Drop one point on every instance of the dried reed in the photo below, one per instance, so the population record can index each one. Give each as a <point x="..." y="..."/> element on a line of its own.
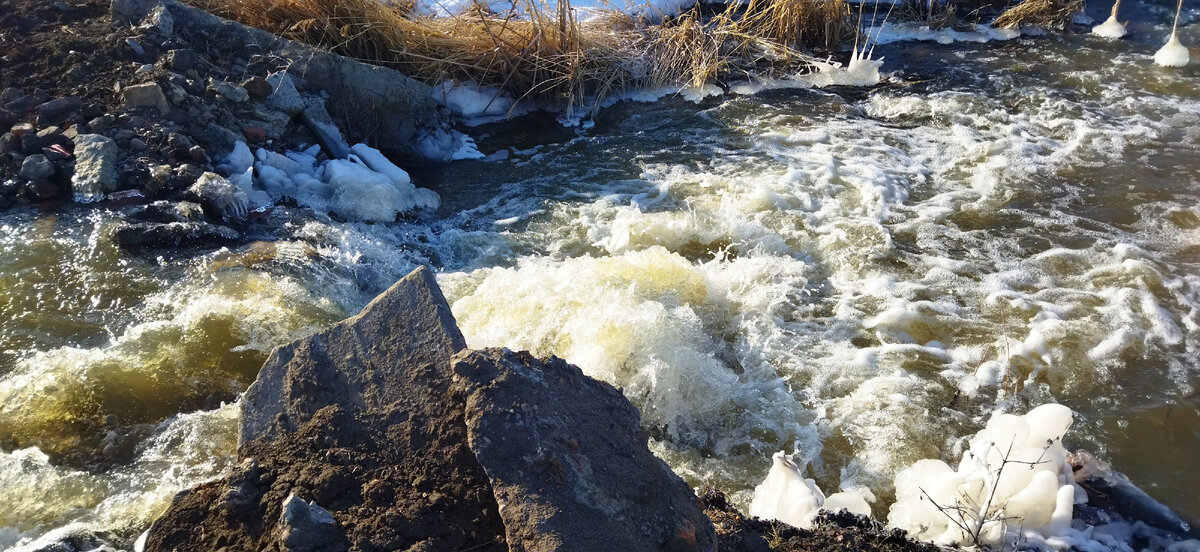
<point x="1040" y="13"/>
<point x="542" y="51"/>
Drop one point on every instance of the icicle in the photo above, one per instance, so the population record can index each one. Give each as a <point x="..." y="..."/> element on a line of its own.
<point x="1111" y="28"/>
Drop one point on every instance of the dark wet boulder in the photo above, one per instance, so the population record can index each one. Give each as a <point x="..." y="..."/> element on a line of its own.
<point x="155" y="235"/>
<point x="568" y="460"/>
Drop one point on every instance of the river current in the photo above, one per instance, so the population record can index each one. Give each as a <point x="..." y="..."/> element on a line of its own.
<point x="858" y="275"/>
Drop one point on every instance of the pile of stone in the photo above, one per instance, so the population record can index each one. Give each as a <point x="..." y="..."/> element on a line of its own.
<point x="185" y="87"/>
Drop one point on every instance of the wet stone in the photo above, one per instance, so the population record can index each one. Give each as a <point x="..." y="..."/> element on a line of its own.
<point x="22" y="105"/>
<point x="101" y="123"/>
<point x="55" y="111"/>
<point x="11" y="94"/>
<point x="35" y="167"/>
<point x="257" y="87"/>
<point x="41" y="190"/>
<point x="181" y="60"/>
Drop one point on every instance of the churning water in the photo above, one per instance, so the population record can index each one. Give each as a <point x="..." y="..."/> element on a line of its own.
<point x="858" y="275"/>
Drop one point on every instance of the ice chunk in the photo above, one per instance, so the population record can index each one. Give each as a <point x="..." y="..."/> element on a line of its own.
<point x="860" y="71"/>
<point x="1111" y="28"/>
<point x="1172" y="54"/>
<point x="786" y="495"/>
<point x="281" y="162"/>
<point x="240" y="158"/>
<point x="377" y="162"/>
<point x="362" y="194"/>
<point x="471" y="100"/>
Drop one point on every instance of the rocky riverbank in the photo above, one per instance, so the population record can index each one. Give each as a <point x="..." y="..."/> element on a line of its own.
<point x="139" y="106"/>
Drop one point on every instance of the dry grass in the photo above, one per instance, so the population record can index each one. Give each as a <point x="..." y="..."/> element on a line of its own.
<point x="932" y="13"/>
<point x="1039" y="13"/>
<point x="793" y="23"/>
<point x="540" y="50"/>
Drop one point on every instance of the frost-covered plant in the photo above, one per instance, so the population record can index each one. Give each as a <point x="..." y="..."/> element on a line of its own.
<point x="1013" y="482"/>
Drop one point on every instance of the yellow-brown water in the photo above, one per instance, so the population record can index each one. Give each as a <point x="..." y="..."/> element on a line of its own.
<point x="859" y="276"/>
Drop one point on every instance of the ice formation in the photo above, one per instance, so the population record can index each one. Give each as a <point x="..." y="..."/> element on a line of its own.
<point x="1013" y="481"/>
<point x="1111" y="28"/>
<point x="365" y="186"/>
<point x="860" y="71"/>
<point x="785" y="495"/>
<point x="471" y="100"/>
<point x="1172" y="54"/>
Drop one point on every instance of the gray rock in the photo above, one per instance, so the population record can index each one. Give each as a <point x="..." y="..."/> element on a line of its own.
<point x="284" y="96"/>
<point x="137" y="144"/>
<point x="22" y="105"/>
<point x="9" y="142"/>
<point x="8" y="119"/>
<point x="275" y="122"/>
<point x="95" y="166"/>
<point x="131" y="11"/>
<point x="317" y="119"/>
<point x="307" y="527"/>
<point x="182" y="59"/>
<point x="400" y="107"/>
<point x="55" y="111"/>
<point x="229" y="91"/>
<point x="11" y="94"/>
<point x="197" y="154"/>
<point x="101" y="123"/>
<point x="160" y="17"/>
<point x="394" y="354"/>
<point x="220" y="197"/>
<point x="220" y="138"/>
<point x="124" y="136"/>
<point x="176" y="94"/>
<point x="568" y="460"/>
<point x="145" y="95"/>
<point x="36" y="166"/>
<point x="258" y="87"/>
<point x="137" y="48"/>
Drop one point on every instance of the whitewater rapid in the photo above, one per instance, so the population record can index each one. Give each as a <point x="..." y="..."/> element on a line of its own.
<point x="859" y="277"/>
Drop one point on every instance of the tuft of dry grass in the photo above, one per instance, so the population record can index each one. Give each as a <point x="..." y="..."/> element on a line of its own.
<point x="540" y="50"/>
<point x="1040" y="13"/>
<point x="793" y="23"/>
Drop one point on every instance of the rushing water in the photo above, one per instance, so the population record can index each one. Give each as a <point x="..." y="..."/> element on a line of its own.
<point x="861" y="276"/>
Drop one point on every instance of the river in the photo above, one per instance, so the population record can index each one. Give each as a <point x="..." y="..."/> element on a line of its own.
<point x="858" y="275"/>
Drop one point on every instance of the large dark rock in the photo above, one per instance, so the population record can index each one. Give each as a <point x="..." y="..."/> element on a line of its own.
<point x="568" y="460"/>
<point x="143" y="235"/>
<point x="395" y="355"/>
<point x="365" y="437"/>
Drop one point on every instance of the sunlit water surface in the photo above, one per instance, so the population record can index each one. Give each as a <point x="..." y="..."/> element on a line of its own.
<point x="859" y="276"/>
